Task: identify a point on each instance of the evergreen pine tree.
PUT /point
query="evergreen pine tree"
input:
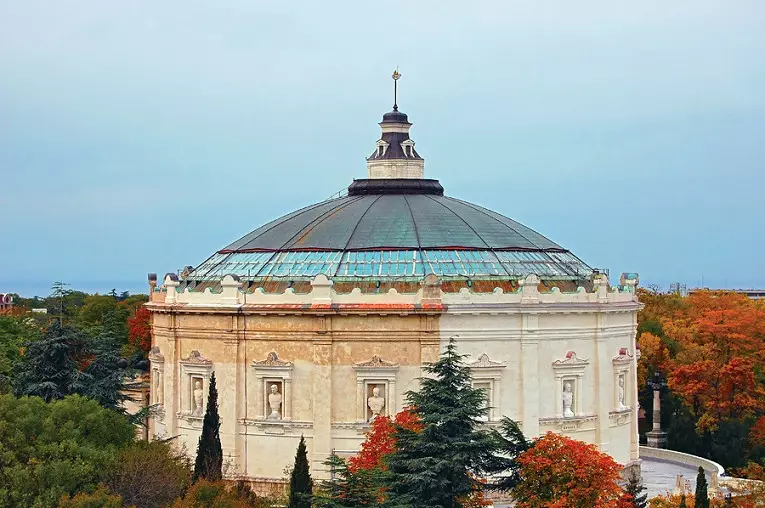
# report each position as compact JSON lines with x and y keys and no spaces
{"x":702,"y":496}
{"x":634,"y":488}
{"x":48,"y":367}
{"x":436,"y":466}
{"x":347,"y":488}
{"x":106,"y":374}
{"x":209,"y":463}
{"x":301,"y":485}
{"x":511,"y":443}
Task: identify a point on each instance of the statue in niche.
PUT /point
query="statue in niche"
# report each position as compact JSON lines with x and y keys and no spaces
{"x":275,"y":403}
{"x":620,"y":394}
{"x":198,"y":396}
{"x":376,"y":403}
{"x":568,"y":400}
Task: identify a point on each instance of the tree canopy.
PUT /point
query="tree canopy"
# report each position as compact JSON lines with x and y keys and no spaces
{"x":49,"y":450}
{"x":437,"y":464}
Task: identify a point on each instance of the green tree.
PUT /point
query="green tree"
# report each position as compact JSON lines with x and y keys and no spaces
{"x":437,"y":465}
{"x":101,"y":498}
{"x":701,"y":499}
{"x":635,"y":488}
{"x":347,"y":488}
{"x":95,"y":309}
{"x":301,"y":484}
{"x":209,"y":463}
{"x":54,"y":449}
{"x":682,"y":502}
{"x":13,"y":334}
{"x":49,"y":368}
{"x":510,"y":444}
{"x":150,"y":473}
{"x":105,"y":372}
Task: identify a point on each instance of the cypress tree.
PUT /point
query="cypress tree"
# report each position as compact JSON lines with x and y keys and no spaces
{"x":634,"y":488}
{"x":702,"y":496}
{"x":436,"y":466}
{"x":209,"y":463}
{"x":48,"y":367}
{"x":301,"y":485}
{"x":682,"y":501}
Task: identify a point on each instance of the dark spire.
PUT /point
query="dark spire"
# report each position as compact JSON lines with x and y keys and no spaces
{"x":396,"y":76}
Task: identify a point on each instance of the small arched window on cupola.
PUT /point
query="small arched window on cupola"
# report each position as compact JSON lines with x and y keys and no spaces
{"x":382,"y":147}
{"x":407,"y":146}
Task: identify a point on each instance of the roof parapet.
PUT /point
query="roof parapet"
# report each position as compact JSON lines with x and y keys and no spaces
{"x":430,"y":294}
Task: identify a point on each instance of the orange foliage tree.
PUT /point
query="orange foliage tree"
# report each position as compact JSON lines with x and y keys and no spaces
{"x":710,"y":345}
{"x":380,"y":441}
{"x":559,"y":472}
{"x":721,"y":342}
{"x":139,"y":329}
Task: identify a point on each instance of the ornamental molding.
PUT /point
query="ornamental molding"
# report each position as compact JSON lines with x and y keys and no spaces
{"x":375,"y":363}
{"x":272,"y":361}
{"x":623,"y":358}
{"x":571,"y":360}
{"x":276,"y":427}
{"x":196,"y":358}
{"x":155,"y":356}
{"x":484,"y":362}
{"x":191,"y":421}
{"x":562,"y":424}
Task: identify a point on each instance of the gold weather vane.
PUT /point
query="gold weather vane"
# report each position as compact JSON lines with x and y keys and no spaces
{"x":396,"y":76}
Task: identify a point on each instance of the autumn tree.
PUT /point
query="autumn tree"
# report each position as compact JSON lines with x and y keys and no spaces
{"x":710,"y":346}
{"x":139,"y":329}
{"x":380,"y":440}
{"x":559,"y":472}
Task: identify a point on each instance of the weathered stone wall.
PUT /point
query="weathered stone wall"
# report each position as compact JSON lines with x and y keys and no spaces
{"x":326,"y":352}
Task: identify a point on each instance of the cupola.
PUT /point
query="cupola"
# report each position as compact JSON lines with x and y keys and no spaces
{"x":394,"y":155}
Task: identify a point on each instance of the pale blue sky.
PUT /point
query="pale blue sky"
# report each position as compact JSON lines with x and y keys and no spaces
{"x":142,"y":136}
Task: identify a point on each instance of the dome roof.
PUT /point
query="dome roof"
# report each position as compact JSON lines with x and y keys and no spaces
{"x":390,"y":230}
{"x":381,"y":220}
{"x":393,"y":226}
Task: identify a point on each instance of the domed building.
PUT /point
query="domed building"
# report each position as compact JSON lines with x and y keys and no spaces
{"x":320,"y":320}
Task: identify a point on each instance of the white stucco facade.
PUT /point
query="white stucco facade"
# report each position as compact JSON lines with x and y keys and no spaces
{"x":326,"y":351}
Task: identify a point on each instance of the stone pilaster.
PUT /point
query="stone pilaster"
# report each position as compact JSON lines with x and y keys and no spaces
{"x":604,"y":384}
{"x":530,"y":375}
{"x":322,"y":403}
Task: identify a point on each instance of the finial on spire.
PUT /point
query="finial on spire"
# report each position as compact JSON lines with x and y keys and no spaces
{"x":396,"y":76}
